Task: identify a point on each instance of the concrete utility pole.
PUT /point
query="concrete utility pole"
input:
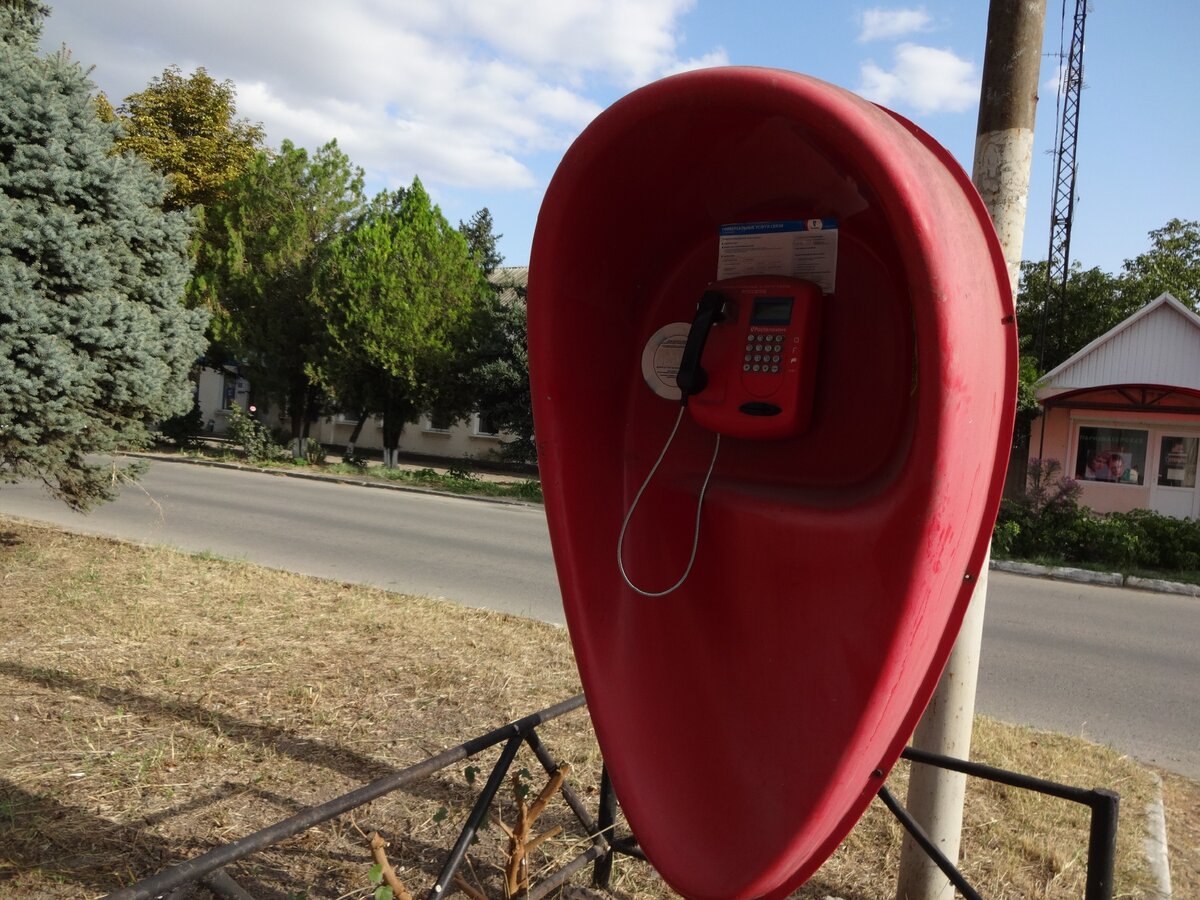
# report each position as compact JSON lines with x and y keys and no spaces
{"x":1003,"y":156}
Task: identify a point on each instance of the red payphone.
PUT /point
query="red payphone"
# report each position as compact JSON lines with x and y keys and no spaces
{"x":783,"y":599}
{"x":748,"y":366}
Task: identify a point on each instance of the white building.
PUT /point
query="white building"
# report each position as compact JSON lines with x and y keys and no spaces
{"x":475,"y":438}
{"x":1123,"y":414}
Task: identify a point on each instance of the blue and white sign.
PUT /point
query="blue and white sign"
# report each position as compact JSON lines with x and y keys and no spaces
{"x":797,"y":248}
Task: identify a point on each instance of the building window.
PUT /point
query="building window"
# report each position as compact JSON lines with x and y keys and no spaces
{"x":1177,"y":461}
{"x":234,"y":389}
{"x":1111,"y":454}
{"x":228,"y":389}
{"x":438,"y":423}
{"x":483,"y":426}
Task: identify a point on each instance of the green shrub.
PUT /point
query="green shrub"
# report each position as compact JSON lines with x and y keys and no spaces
{"x":1049,"y":523}
{"x":1164,"y":542}
{"x":1005,"y":538}
{"x":184,"y":430}
{"x":253,"y":438}
{"x":1045,"y":521}
{"x":1107,"y":540}
{"x":315,"y":452}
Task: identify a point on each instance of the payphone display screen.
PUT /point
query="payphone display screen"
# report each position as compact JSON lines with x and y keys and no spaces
{"x":771,"y":311}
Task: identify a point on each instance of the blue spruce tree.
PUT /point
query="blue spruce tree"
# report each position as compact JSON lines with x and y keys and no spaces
{"x":95,"y":343}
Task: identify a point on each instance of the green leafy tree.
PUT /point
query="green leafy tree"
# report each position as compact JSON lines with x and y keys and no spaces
{"x":263,"y":247}
{"x":401,"y":297}
{"x":95,"y":343}
{"x":1171,"y":265}
{"x":482,"y":241}
{"x":187,"y":128}
{"x":1093,"y":303}
{"x":494,"y":377}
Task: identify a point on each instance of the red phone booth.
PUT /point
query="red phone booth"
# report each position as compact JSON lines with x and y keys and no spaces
{"x":773,"y":363}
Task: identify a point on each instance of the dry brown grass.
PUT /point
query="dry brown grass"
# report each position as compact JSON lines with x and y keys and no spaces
{"x":155,"y":704}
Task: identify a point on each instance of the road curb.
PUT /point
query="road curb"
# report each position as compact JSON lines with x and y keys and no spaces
{"x":1156,"y":843}
{"x":1163,"y":587}
{"x":1087,"y":576}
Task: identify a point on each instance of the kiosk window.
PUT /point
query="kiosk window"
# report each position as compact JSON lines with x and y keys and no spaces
{"x":1177,"y":461}
{"x":1111,"y":454}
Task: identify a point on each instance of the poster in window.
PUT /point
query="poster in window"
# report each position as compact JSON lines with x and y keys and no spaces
{"x":1116,"y":455}
{"x":1177,"y":461}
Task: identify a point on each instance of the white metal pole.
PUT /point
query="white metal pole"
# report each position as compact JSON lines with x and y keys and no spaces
{"x":1003,"y":157}
{"x":935,"y":796}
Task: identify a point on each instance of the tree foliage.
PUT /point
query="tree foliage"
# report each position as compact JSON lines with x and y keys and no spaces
{"x":400,"y":296}
{"x":494,"y":374}
{"x":1171,"y":265}
{"x":95,"y":343}
{"x":263,"y":247}
{"x":482,"y":241}
{"x":496,"y":368}
{"x":21,"y":22}
{"x":187,"y":129}
{"x":1095,"y":301}
{"x":1092,"y":304}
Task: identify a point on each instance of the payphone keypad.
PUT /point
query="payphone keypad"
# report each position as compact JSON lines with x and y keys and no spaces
{"x":764,"y":353}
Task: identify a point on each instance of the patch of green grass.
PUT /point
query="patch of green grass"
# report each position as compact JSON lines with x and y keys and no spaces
{"x":458,"y":481}
{"x":455,"y":480}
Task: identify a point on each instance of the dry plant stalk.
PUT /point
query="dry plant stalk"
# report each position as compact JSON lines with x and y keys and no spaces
{"x":379,"y":854}
{"x":520,"y":844}
{"x":470,"y":890}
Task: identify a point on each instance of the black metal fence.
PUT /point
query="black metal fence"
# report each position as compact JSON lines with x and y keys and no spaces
{"x":208,"y":869}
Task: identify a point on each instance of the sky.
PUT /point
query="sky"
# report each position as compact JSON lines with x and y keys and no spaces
{"x":481,"y":98}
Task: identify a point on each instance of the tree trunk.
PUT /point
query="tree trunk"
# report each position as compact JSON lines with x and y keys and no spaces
{"x":358,"y":427}
{"x":297,"y":414}
{"x":397,"y":411}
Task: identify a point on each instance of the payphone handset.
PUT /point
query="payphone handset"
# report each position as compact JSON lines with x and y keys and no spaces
{"x":749,"y":363}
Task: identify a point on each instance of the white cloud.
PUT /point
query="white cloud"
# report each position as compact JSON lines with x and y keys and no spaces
{"x":717,"y":57}
{"x":889,"y":24}
{"x":1053,"y":85}
{"x":923,"y":78}
{"x":461,"y":92}
{"x":630,"y":41}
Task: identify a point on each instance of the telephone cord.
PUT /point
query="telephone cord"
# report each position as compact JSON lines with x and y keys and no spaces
{"x":695,"y":531}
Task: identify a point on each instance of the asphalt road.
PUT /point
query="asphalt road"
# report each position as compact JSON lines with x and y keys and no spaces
{"x":1116,"y":666}
{"x":477,"y":553}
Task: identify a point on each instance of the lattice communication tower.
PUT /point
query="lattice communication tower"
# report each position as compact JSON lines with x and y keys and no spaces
{"x":1062,"y":206}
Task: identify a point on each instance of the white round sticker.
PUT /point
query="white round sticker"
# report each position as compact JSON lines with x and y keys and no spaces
{"x":661,"y":357}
